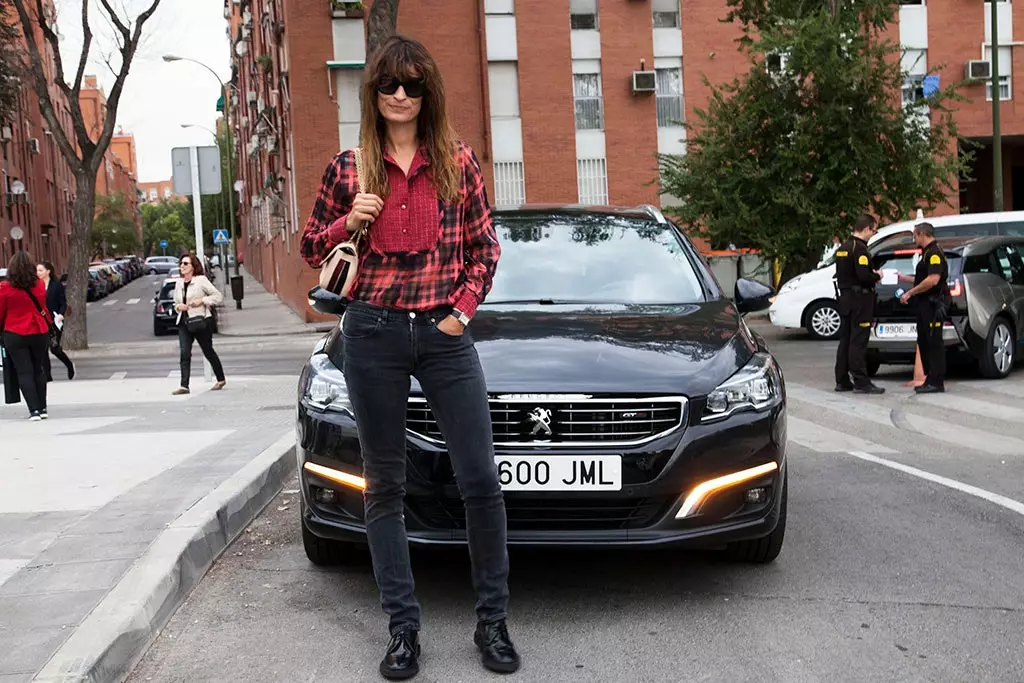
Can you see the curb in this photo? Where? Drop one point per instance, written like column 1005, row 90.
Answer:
column 229, row 342
column 114, row 637
column 313, row 329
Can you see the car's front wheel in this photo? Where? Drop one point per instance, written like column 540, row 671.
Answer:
column 998, row 355
column 326, row 552
column 823, row 320
column 765, row 549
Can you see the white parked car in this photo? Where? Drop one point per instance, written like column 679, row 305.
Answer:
column 808, row 301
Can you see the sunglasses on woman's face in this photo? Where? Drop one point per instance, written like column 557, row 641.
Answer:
column 415, row 87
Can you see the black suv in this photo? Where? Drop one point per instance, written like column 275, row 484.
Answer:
column 986, row 281
column 632, row 405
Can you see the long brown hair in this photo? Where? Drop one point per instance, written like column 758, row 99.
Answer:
column 402, row 57
column 21, row 271
column 197, row 266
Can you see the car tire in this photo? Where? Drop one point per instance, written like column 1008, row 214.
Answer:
column 999, row 353
column 157, row 330
column 765, row 549
column 327, row 552
column 823, row 320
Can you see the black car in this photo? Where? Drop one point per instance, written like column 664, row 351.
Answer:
column 631, row 404
column 986, row 321
column 164, row 315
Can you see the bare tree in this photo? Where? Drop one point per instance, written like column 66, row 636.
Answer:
column 381, row 24
column 83, row 154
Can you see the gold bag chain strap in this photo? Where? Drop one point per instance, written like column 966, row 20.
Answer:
column 361, row 231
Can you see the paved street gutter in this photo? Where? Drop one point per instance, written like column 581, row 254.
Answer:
column 108, row 644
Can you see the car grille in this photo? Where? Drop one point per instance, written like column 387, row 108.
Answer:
column 548, row 514
column 575, row 422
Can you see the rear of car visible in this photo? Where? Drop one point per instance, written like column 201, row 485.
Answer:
column 164, row 315
column 986, row 317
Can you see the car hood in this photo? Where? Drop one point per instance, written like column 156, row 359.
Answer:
column 685, row 349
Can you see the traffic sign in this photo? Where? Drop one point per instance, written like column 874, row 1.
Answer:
column 163, row 244
column 220, row 236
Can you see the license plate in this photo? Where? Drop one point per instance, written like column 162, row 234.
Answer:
column 896, row 330
column 560, row 472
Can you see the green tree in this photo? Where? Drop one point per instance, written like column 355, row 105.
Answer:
column 785, row 157
column 11, row 70
column 114, row 231
column 169, row 220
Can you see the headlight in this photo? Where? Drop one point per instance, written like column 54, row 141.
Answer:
column 755, row 387
column 325, row 386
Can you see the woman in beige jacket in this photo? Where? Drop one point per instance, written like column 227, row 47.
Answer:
column 194, row 299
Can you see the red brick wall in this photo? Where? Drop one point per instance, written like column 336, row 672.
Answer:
column 709, row 49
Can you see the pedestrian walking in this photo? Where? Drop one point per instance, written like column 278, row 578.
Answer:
column 418, row 284
column 57, row 304
column 932, row 299
column 856, row 278
column 26, row 326
column 194, row 299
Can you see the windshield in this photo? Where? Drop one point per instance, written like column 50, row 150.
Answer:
column 591, row 258
column 167, row 291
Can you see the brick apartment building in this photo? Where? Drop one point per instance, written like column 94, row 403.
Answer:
column 546, row 93
column 38, row 187
column 151, row 193
column 120, row 170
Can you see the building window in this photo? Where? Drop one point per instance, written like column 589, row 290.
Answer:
column 913, row 89
column 583, row 15
column 152, row 195
column 1005, row 74
column 665, row 13
column 670, row 96
column 587, row 97
column 509, row 183
column 499, row 7
column 1004, row 89
column 592, row 179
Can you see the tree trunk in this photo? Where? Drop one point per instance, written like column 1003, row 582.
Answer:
column 380, row 25
column 76, row 333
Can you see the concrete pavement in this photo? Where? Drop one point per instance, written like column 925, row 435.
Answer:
column 113, row 509
column 262, row 313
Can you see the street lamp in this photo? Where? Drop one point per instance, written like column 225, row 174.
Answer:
column 231, row 147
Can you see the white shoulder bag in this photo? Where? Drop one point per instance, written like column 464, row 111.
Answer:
column 339, row 268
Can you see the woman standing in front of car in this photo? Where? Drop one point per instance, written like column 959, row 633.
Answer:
column 194, row 299
column 427, row 263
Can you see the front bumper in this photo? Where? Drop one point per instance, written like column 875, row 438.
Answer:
column 657, row 477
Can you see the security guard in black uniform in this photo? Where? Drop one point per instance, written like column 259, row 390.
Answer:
column 932, row 300
column 856, row 278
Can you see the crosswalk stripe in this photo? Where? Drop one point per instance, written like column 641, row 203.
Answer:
column 971, row 405
column 940, row 430
column 1008, row 386
column 174, row 373
column 119, row 375
column 1002, row 501
column 825, row 440
column 110, row 303
column 132, row 302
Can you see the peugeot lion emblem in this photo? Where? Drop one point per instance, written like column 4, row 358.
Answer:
column 541, row 419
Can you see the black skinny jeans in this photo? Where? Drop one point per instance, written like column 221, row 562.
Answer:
column 60, row 355
column 28, row 355
column 205, row 339
column 383, row 349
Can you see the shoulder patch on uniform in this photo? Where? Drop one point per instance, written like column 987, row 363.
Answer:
column 842, row 254
column 934, row 260
column 863, row 260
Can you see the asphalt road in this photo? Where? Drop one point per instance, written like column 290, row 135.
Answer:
column 125, row 315
column 902, row 561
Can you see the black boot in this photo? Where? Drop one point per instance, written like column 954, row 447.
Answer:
column 499, row 654
column 402, row 658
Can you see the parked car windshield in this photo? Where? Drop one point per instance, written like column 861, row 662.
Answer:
column 167, row 291
column 592, row 258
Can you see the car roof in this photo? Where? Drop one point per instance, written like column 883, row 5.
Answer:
column 966, row 244
column 643, row 211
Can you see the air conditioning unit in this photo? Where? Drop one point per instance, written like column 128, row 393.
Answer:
column 252, row 97
column 34, row 146
column 645, row 81
column 978, row 70
column 6, row 133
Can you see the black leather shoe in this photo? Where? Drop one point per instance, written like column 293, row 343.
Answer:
column 499, row 654
column 869, row 389
column 844, row 387
column 929, row 389
column 402, row 658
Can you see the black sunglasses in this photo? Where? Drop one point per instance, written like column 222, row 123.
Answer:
column 413, row 88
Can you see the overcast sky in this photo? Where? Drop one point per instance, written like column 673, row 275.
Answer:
column 158, row 96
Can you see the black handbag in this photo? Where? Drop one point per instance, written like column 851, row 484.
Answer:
column 54, row 335
column 197, row 325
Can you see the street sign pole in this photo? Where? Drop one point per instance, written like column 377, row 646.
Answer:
column 197, row 214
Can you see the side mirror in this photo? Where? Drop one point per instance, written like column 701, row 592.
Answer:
column 752, row 296
column 326, row 302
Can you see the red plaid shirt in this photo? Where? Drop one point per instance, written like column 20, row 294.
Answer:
column 421, row 253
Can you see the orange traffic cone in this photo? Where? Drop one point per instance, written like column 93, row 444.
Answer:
column 919, row 376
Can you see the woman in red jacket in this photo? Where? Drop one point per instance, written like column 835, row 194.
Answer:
column 25, row 325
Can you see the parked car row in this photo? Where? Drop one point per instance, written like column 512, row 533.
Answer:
column 109, row 275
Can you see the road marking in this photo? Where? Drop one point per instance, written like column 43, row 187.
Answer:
column 1009, row 387
column 174, row 373
column 119, row 375
column 866, row 408
column 132, row 302
column 824, row 440
column 1002, row 501
column 996, row 411
column 110, row 303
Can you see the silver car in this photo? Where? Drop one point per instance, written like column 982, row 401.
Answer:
column 160, row 264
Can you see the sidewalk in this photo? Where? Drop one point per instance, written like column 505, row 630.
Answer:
column 262, row 313
column 113, row 509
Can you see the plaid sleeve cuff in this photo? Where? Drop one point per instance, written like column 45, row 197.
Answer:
column 467, row 303
column 337, row 233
